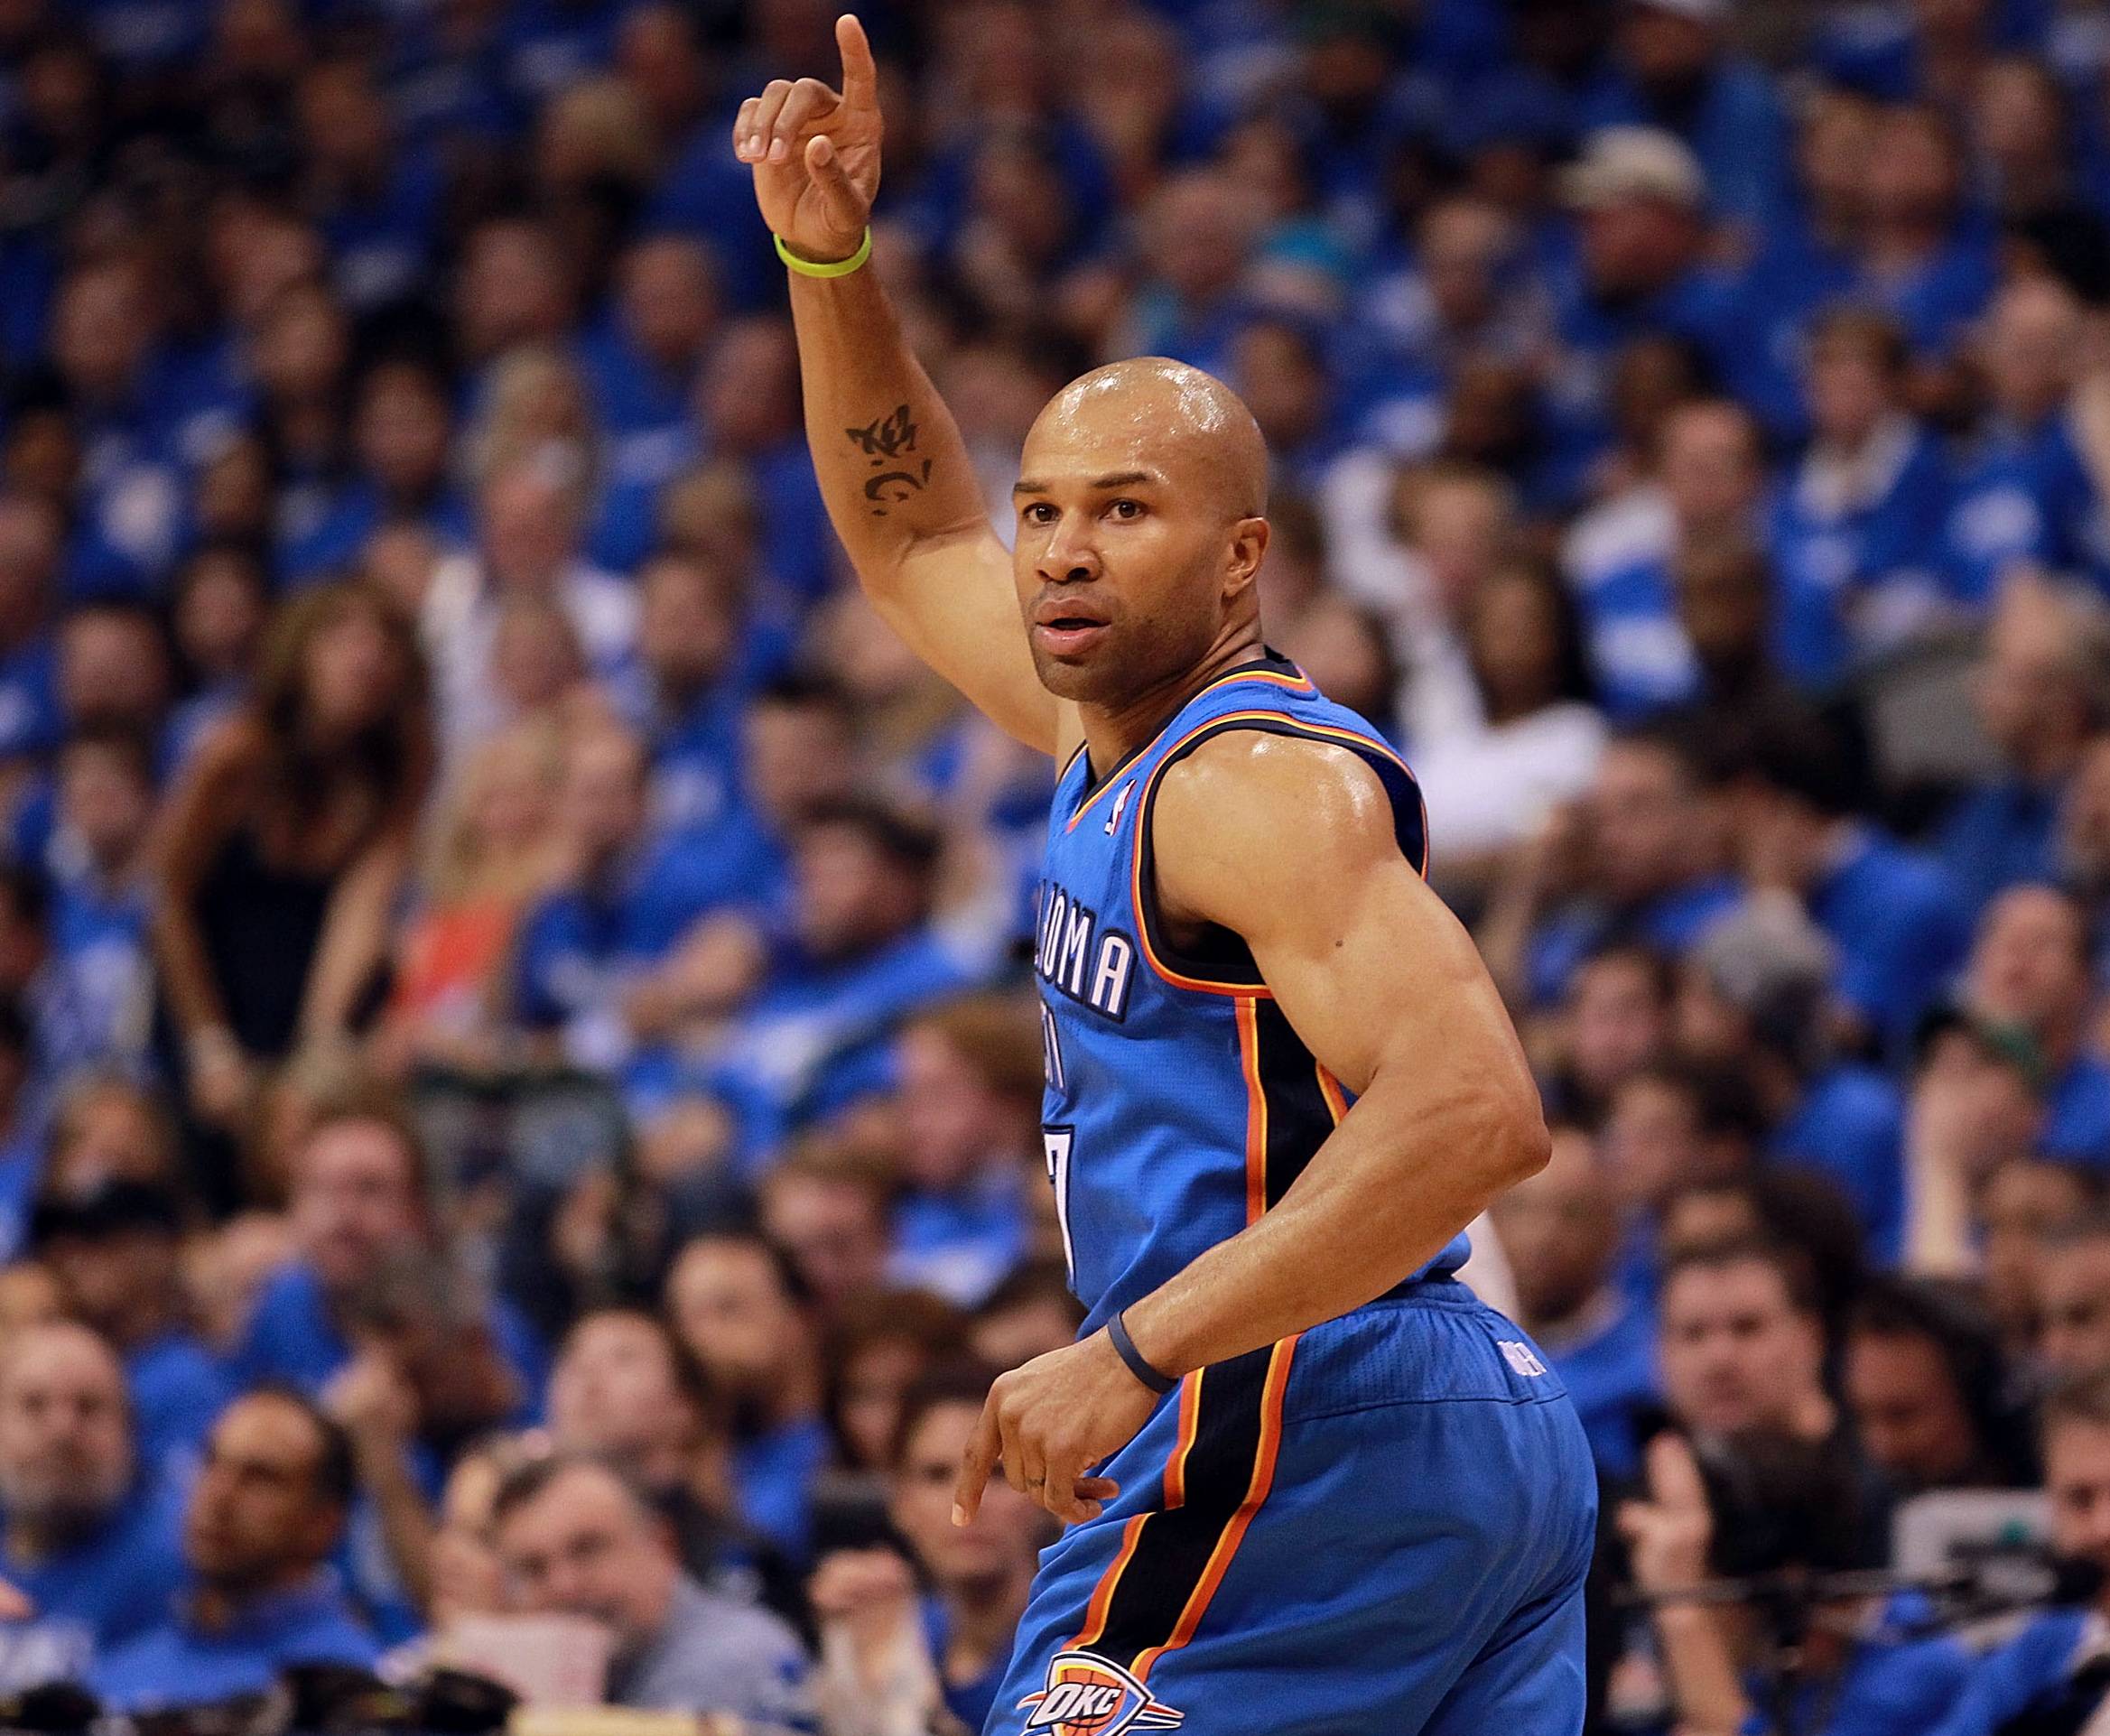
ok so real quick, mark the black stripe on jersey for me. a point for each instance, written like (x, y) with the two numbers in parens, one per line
(1222, 958)
(1299, 1116)
(1175, 1545)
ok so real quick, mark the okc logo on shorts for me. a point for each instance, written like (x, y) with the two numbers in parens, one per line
(1088, 1695)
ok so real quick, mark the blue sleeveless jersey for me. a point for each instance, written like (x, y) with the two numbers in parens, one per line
(1180, 1104)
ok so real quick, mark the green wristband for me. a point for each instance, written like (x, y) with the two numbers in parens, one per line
(827, 267)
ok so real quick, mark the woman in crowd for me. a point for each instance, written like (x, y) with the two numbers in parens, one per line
(280, 854)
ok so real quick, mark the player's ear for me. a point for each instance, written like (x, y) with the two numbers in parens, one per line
(1249, 544)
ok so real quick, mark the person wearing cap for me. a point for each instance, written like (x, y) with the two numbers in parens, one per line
(88, 1525)
(1641, 269)
(114, 1251)
(1753, 993)
(1671, 68)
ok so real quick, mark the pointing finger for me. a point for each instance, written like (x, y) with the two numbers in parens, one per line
(860, 74)
(975, 1465)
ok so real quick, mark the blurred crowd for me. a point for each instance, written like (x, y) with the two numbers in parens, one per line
(518, 1089)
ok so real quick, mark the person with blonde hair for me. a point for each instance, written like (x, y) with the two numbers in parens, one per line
(488, 853)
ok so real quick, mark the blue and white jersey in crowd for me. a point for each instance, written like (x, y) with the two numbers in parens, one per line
(1180, 1101)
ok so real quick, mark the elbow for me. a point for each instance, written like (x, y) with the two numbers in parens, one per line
(1516, 1144)
(1531, 1142)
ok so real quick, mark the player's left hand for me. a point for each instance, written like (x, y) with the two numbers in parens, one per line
(1046, 1424)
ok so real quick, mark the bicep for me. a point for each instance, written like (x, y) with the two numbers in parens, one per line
(1366, 962)
(956, 605)
(1375, 969)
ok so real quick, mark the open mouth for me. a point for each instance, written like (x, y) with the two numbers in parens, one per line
(1065, 628)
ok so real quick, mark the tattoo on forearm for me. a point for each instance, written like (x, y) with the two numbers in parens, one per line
(891, 439)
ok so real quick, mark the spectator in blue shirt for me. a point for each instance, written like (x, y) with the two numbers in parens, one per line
(267, 1511)
(951, 1617)
(379, 206)
(100, 907)
(642, 363)
(1920, 254)
(741, 1309)
(2035, 1673)
(2039, 691)
(1641, 840)
(88, 1528)
(2023, 498)
(1752, 997)
(970, 1089)
(815, 1001)
(587, 945)
(1932, 1399)
(102, 336)
(1560, 1231)
(113, 1249)
(1641, 272)
(357, 1195)
(1671, 68)
(2029, 968)
(695, 646)
(1859, 519)
(402, 429)
(1899, 925)
(1712, 467)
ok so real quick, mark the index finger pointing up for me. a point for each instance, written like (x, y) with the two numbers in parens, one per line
(861, 76)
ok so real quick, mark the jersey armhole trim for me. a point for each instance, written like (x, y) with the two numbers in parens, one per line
(1185, 972)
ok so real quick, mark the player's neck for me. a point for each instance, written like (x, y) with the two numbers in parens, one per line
(1114, 732)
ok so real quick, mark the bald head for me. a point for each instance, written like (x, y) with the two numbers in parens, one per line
(1141, 532)
(1202, 434)
(65, 1432)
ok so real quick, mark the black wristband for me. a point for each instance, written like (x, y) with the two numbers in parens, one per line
(1117, 1328)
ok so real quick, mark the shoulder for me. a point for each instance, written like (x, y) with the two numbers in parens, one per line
(1243, 786)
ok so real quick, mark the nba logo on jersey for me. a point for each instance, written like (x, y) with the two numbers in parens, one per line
(1121, 800)
(1520, 1358)
(1089, 1695)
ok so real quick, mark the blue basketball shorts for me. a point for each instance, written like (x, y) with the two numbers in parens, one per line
(1379, 1528)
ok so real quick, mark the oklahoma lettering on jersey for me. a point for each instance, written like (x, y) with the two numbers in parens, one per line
(1180, 1103)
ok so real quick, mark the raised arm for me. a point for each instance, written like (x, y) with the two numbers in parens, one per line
(901, 488)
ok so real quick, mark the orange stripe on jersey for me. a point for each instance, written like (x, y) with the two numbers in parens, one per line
(1263, 1479)
(1102, 1596)
(1330, 1089)
(1300, 680)
(1176, 1467)
(1294, 726)
(1256, 1108)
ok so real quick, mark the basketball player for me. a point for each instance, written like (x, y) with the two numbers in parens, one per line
(1312, 1485)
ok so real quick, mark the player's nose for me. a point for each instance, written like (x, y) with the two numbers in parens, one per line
(1067, 558)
